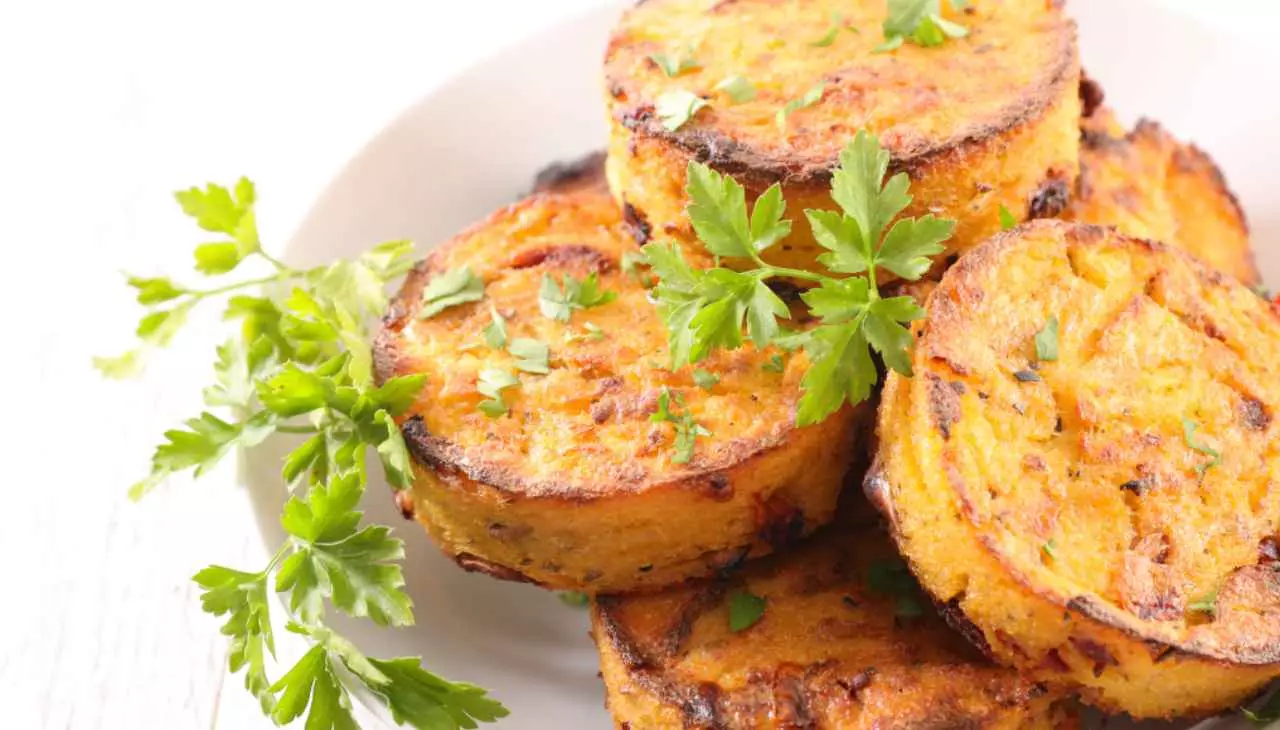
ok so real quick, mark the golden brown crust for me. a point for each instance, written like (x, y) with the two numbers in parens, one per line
(829, 652)
(1148, 184)
(977, 123)
(1061, 506)
(575, 488)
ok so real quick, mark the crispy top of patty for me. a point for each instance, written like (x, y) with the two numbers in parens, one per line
(846, 640)
(1146, 456)
(583, 429)
(920, 101)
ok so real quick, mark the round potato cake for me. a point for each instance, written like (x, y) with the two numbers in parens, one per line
(845, 640)
(978, 122)
(1148, 184)
(1085, 468)
(588, 465)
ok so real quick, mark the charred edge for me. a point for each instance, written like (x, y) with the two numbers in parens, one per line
(955, 617)
(563, 256)
(1050, 199)
(1091, 95)
(779, 523)
(700, 705)
(1254, 414)
(1268, 551)
(404, 503)
(584, 172)
(475, 564)
(636, 222)
(1095, 652)
(790, 700)
(944, 405)
(673, 639)
(1138, 486)
(857, 683)
(724, 563)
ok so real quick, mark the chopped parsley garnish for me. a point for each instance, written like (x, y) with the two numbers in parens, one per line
(1188, 434)
(775, 365)
(531, 355)
(709, 309)
(1050, 548)
(1261, 290)
(687, 429)
(1007, 220)
(575, 599)
(811, 97)
(453, 287)
(745, 610)
(920, 22)
(675, 64)
(631, 263)
(1206, 605)
(705, 379)
(1266, 714)
(837, 21)
(593, 334)
(558, 301)
(1047, 341)
(738, 88)
(495, 334)
(676, 108)
(491, 383)
(891, 578)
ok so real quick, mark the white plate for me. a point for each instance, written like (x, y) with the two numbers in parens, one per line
(456, 155)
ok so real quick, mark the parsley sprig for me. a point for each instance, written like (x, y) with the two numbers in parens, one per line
(709, 309)
(301, 364)
(921, 22)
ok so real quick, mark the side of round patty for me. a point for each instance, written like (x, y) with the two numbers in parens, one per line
(845, 640)
(601, 469)
(979, 122)
(1086, 466)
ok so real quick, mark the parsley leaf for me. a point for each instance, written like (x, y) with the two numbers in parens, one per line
(705, 379)
(1047, 341)
(593, 333)
(738, 88)
(574, 599)
(687, 430)
(675, 64)
(242, 598)
(892, 578)
(1050, 548)
(1268, 713)
(491, 383)
(919, 21)
(837, 21)
(676, 108)
(531, 355)
(219, 210)
(1007, 220)
(1207, 604)
(810, 97)
(708, 309)
(775, 365)
(495, 334)
(1188, 434)
(453, 287)
(745, 610)
(558, 301)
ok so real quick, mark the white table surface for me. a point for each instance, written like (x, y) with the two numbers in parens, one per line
(105, 108)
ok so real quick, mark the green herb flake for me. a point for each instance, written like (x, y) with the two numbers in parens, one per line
(592, 333)
(745, 610)
(1266, 714)
(1189, 435)
(1007, 220)
(558, 301)
(574, 599)
(811, 97)
(919, 21)
(454, 287)
(675, 64)
(738, 88)
(774, 365)
(1050, 548)
(705, 379)
(890, 577)
(495, 334)
(687, 429)
(491, 383)
(532, 356)
(1207, 605)
(676, 108)
(1047, 341)
(833, 30)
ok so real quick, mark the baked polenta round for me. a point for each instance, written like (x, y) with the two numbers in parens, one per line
(588, 465)
(845, 641)
(979, 122)
(1148, 184)
(1086, 466)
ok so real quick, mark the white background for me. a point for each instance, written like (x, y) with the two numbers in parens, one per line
(105, 109)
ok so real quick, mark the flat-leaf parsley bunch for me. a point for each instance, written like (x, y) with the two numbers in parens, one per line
(706, 309)
(301, 364)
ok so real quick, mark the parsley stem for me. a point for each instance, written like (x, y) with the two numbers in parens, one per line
(282, 276)
(281, 266)
(297, 429)
(766, 272)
